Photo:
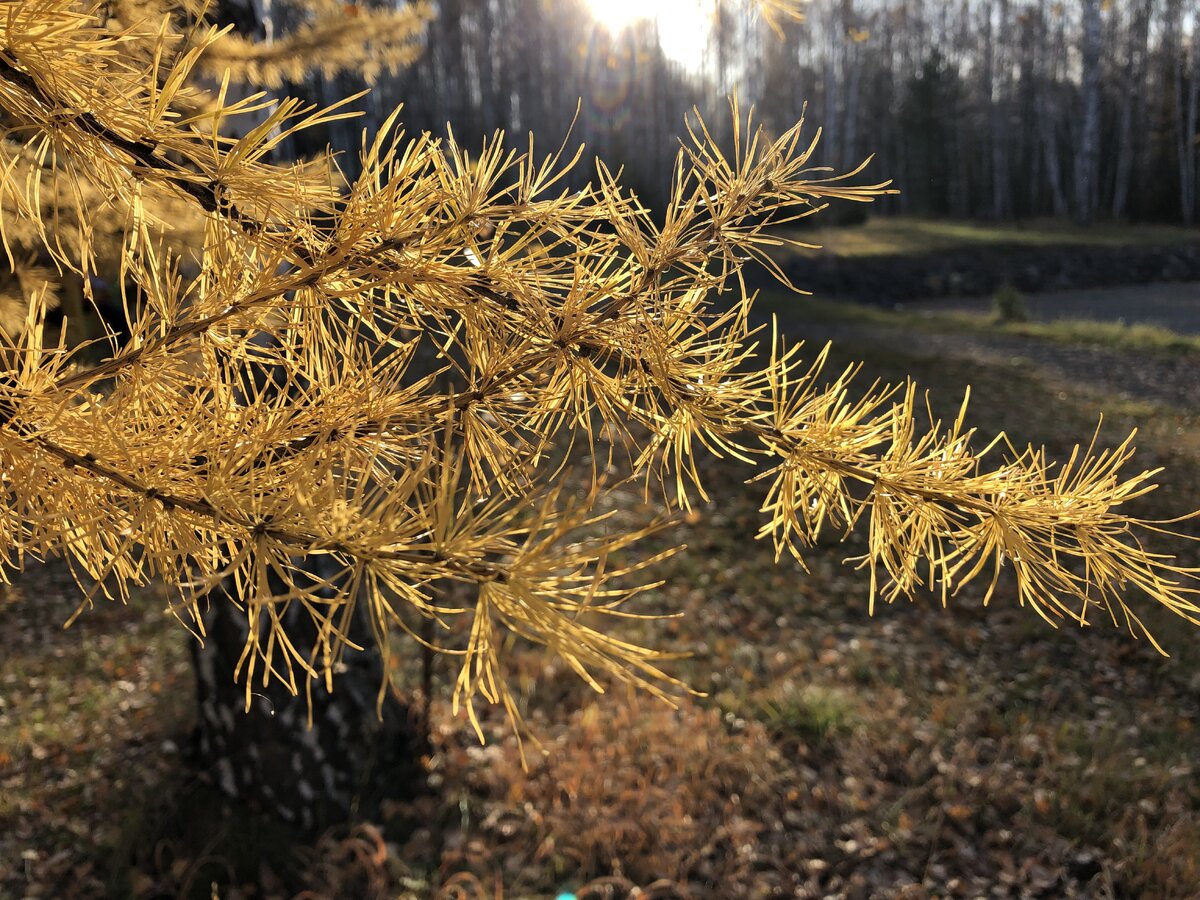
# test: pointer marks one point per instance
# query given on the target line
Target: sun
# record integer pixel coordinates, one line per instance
(616, 14)
(682, 24)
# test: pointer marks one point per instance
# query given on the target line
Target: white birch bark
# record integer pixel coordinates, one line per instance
(1087, 158)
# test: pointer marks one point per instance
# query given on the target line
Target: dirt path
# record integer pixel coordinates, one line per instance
(1171, 381)
(1173, 306)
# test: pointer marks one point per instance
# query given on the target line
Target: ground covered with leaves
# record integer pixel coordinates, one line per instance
(922, 752)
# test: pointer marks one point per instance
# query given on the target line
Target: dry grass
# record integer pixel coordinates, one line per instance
(902, 236)
(1086, 332)
(646, 792)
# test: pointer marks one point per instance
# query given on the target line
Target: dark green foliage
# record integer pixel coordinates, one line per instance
(1008, 305)
(932, 102)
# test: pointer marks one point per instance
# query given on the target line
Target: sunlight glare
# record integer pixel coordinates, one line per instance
(682, 24)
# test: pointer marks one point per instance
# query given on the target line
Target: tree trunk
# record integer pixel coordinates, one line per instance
(1000, 41)
(1087, 160)
(1132, 104)
(356, 753)
(1188, 110)
(1048, 122)
(345, 765)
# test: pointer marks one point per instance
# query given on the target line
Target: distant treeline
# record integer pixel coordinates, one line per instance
(976, 108)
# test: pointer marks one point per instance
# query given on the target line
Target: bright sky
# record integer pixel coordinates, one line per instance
(682, 24)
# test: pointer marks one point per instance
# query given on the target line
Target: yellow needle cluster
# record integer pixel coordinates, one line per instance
(391, 374)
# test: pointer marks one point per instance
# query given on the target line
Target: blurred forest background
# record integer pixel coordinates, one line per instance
(997, 109)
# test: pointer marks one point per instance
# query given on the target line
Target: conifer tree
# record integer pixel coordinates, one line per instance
(261, 44)
(266, 441)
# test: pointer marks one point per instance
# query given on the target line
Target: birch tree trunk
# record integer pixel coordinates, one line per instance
(852, 84)
(268, 758)
(1049, 122)
(1132, 104)
(997, 110)
(1087, 160)
(1187, 104)
(832, 90)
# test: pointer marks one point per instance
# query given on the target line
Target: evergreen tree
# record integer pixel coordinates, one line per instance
(931, 106)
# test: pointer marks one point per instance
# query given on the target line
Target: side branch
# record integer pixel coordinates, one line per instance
(211, 195)
(302, 542)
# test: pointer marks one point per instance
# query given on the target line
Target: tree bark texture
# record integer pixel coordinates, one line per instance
(345, 765)
(355, 754)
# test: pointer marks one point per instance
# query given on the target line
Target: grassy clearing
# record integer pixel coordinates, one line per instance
(919, 237)
(1138, 337)
(1084, 332)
